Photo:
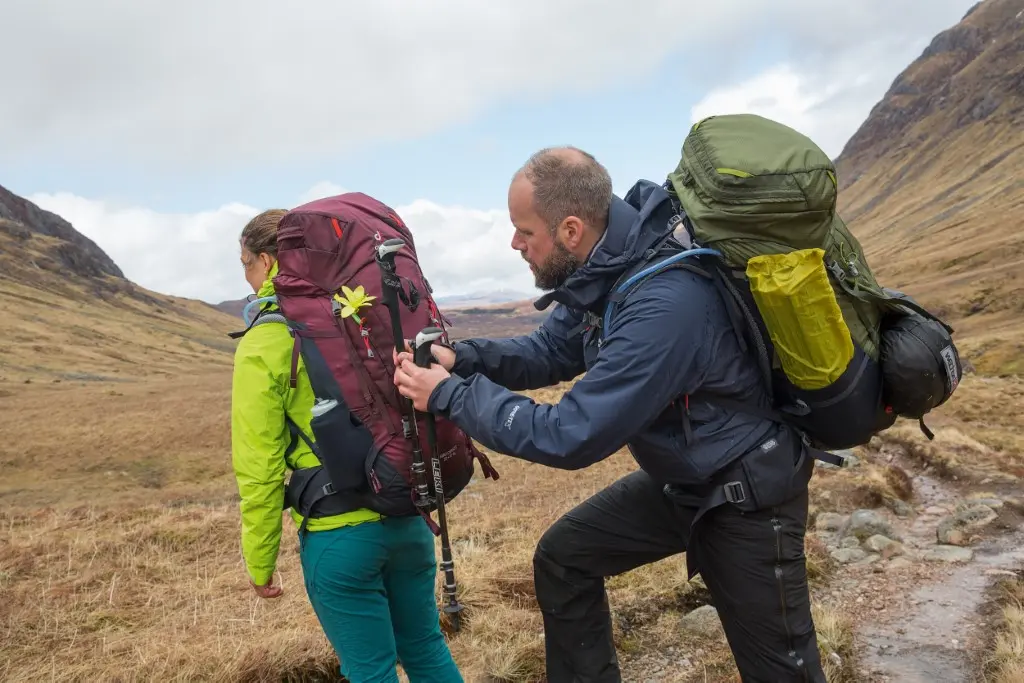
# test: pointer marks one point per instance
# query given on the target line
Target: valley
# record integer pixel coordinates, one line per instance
(119, 523)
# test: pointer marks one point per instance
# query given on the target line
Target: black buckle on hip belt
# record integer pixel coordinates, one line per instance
(734, 492)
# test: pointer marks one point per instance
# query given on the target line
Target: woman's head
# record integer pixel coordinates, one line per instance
(259, 246)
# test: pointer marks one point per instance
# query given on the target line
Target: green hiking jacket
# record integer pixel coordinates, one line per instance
(260, 397)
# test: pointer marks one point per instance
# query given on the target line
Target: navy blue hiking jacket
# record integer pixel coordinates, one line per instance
(670, 337)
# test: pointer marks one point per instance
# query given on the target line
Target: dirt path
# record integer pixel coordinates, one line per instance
(925, 619)
(932, 642)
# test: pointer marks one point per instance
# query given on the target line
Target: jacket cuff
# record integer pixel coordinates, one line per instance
(466, 358)
(261, 575)
(440, 401)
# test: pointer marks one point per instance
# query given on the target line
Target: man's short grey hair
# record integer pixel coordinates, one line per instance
(569, 182)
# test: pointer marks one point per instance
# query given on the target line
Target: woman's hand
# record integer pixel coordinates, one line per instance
(268, 590)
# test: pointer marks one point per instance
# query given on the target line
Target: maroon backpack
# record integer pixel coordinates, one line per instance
(330, 290)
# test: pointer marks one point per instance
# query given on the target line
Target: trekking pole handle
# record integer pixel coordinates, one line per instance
(387, 250)
(426, 337)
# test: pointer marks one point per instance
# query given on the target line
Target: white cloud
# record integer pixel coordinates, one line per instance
(827, 91)
(461, 250)
(230, 83)
(227, 84)
(780, 94)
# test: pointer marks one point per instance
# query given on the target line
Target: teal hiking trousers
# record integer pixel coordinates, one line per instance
(372, 588)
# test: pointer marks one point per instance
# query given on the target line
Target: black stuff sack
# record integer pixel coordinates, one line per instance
(920, 364)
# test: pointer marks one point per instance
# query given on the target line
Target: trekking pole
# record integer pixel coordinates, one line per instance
(422, 357)
(385, 255)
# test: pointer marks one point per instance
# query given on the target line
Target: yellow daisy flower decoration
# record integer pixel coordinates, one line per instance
(353, 301)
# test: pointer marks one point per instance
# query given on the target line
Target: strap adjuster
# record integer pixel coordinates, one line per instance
(329, 489)
(734, 492)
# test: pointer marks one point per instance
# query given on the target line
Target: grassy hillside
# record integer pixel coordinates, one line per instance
(932, 183)
(62, 327)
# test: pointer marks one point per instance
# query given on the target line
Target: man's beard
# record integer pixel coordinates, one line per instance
(556, 269)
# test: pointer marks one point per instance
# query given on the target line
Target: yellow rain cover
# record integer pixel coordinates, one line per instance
(802, 315)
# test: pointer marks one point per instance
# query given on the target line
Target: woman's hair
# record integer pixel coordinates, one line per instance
(260, 234)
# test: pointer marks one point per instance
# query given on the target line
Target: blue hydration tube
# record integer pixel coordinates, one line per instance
(654, 269)
(255, 302)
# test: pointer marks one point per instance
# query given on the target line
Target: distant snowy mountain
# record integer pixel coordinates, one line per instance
(500, 296)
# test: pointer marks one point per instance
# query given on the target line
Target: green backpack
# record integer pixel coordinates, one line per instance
(844, 356)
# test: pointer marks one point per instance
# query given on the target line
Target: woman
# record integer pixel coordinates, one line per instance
(370, 579)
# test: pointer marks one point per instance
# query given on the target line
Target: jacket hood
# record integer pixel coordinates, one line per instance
(635, 224)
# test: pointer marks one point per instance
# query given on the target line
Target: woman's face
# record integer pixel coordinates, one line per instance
(257, 267)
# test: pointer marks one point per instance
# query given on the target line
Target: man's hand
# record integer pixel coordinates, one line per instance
(418, 383)
(444, 355)
(268, 590)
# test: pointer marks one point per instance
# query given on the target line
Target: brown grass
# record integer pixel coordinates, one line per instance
(977, 433)
(871, 483)
(119, 553)
(1005, 660)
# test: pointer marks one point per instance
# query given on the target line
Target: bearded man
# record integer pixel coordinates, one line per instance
(726, 487)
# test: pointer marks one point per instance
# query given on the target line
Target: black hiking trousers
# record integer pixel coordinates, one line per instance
(753, 564)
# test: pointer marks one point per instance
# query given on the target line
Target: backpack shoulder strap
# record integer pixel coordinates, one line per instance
(263, 302)
(262, 318)
(673, 256)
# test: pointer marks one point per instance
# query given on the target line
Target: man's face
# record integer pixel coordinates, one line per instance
(550, 260)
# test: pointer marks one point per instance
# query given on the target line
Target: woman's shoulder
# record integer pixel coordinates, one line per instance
(269, 341)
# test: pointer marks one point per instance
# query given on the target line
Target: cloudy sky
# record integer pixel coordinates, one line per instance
(159, 128)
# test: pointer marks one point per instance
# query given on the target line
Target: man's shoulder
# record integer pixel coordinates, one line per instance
(674, 287)
(674, 303)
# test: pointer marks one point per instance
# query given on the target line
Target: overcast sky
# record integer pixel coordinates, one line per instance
(159, 128)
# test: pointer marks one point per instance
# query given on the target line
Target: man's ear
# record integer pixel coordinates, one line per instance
(571, 232)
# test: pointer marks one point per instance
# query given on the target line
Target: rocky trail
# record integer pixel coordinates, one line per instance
(916, 577)
(913, 577)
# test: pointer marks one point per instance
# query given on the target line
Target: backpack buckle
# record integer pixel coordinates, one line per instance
(734, 492)
(329, 489)
(837, 270)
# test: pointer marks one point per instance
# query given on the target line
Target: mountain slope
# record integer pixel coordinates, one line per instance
(74, 250)
(932, 183)
(69, 313)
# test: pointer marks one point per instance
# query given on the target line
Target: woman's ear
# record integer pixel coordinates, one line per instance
(267, 262)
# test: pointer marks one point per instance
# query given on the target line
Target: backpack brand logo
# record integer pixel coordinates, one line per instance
(769, 445)
(952, 376)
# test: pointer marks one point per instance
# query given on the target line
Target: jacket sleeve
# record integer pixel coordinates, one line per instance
(655, 350)
(551, 354)
(258, 442)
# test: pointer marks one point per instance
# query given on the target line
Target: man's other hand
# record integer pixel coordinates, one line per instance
(444, 355)
(418, 383)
